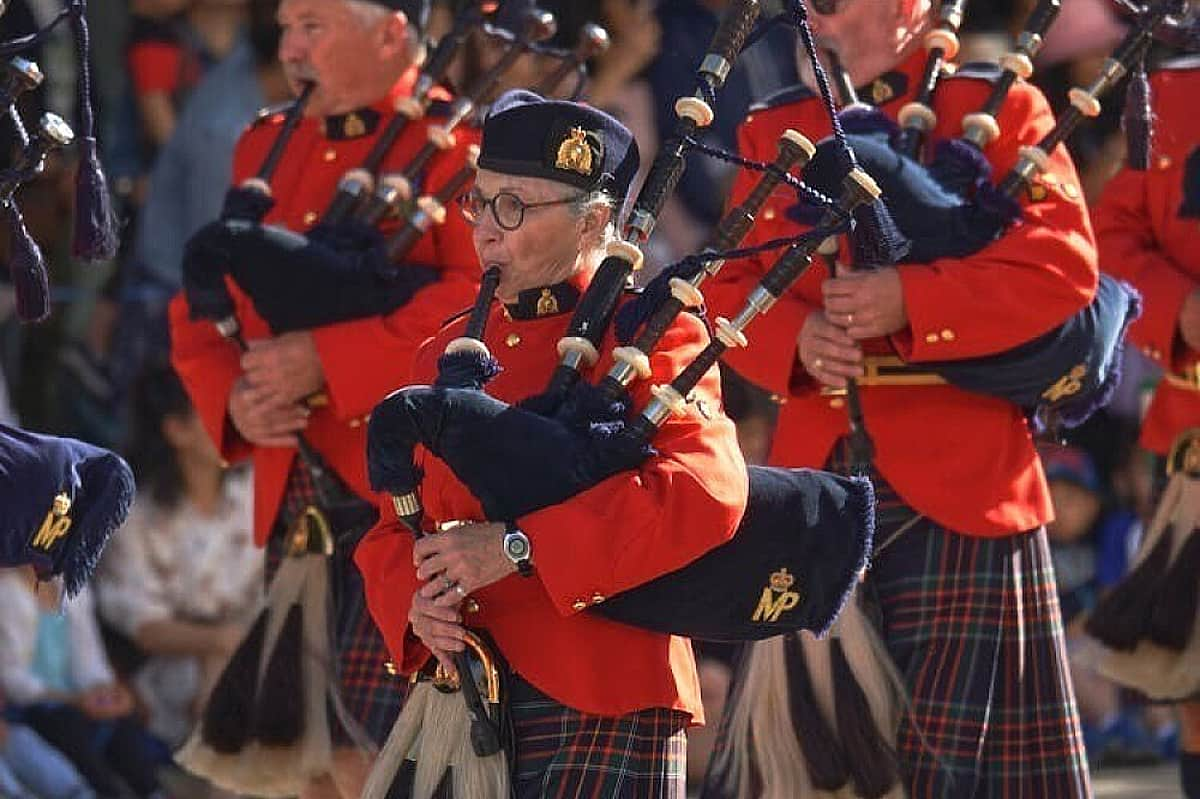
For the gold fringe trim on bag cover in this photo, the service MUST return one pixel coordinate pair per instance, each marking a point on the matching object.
(800, 711)
(433, 737)
(285, 740)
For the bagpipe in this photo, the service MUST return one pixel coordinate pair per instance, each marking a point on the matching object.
(816, 717)
(805, 533)
(951, 208)
(94, 237)
(266, 728)
(357, 271)
(62, 498)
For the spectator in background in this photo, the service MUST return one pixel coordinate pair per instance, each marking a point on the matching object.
(56, 675)
(1090, 547)
(188, 185)
(169, 52)
(183, 573)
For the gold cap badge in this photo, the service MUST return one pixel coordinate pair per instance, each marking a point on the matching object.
(574, 154)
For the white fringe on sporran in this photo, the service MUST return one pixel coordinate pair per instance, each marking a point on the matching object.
(433, 731)
(270, 771)
(761, 757)
(1158, 672)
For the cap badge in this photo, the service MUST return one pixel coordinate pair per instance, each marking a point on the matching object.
(574, 154)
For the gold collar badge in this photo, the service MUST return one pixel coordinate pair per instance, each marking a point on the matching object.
(354, 126)
(55, 525)
(881, 91)
(574, 154)
(547, 304)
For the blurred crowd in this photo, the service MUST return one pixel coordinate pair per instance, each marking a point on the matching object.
(117, 681)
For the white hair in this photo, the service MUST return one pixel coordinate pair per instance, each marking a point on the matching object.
(599, 198)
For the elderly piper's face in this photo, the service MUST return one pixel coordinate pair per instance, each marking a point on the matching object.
(547, 245)
(352, 50)
(870, 36)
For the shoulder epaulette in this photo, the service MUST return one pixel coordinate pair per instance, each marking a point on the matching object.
(266, 114)
(788, 94)
(1183, 62)
(980, 70)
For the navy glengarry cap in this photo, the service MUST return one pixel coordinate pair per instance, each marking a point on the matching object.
(60, 500)
(417, 11)
(571, 143)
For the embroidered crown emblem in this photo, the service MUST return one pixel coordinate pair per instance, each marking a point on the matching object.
(781, 581)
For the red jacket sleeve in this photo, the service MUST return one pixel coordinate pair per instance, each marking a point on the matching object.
(208, 365)
(771, 358)
(1129, 249)
(360, 359)
(1030, 280)
(636, 526)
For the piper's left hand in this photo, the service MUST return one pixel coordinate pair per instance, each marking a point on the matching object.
(286, 366)
(461, 560)
(866, 303)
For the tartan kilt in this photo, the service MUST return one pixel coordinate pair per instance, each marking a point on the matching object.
(369, 692)
(563, 753)
(974, 627)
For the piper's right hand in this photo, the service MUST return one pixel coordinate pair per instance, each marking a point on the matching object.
(827, 352)
(439, 628)
(263, 420)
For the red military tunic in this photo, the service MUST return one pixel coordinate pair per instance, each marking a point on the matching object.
(363, 359)
(965, 460)
(1143, 240)
(623, 532)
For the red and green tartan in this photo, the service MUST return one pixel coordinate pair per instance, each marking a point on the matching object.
(974, 626)
(370, 695)
(562, 753)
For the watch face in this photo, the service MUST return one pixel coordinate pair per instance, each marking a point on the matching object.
(517, 546)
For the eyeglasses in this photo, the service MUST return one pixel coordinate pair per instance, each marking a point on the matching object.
(508, 210)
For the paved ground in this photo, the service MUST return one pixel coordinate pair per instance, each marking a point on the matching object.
(1160, 782)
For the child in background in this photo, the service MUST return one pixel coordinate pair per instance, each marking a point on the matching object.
(183, 572)
(57, 677)
(1090, 548)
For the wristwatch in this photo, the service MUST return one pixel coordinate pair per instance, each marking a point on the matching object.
(518, 549)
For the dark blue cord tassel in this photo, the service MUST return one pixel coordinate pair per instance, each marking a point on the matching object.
(28, 270)
(95, 236)
(876, 238)
(1138, 119)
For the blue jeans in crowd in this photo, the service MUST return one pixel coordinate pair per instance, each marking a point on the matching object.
(30, 767)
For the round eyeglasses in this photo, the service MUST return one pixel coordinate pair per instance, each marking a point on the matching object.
(508, 210)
